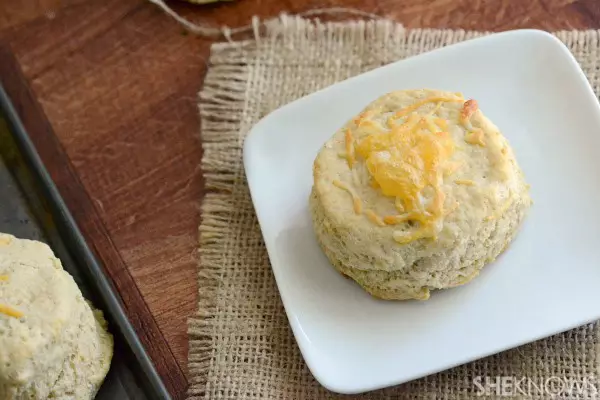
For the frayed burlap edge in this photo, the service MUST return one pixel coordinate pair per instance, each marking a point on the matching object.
(221, 104)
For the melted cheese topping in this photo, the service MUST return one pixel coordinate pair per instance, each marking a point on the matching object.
(408, 162)
(9, 311)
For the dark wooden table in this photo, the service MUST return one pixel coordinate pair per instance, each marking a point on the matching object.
(107, 89)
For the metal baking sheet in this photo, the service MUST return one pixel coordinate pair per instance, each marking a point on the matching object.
(31, 208)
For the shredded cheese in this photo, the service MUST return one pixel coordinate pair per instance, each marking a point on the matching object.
(3, 278)
(503, 151)
(5, 240)
(9, 311)
(468, 109)
(475, 137)
(441, 122)
(350, 148)
(413, 107)
(362, 118)
(433, 128)
(435, 109)
(398, 204)
(406, 161)
(341, 185)
(407, 237)
(437, 203)
(376, 219)
(398, 219)
(356, 203)
(368, 125)
(465, 182)
(409, 124)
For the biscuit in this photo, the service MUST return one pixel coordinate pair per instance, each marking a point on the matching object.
(52, 343)
(418, 192)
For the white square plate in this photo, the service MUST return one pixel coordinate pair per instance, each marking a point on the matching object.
(530, 85)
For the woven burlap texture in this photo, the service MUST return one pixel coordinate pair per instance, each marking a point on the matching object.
(241, 346)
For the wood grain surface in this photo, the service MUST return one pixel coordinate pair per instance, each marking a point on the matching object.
(115, 120)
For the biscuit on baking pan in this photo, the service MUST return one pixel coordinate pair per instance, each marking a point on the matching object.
(52, 343)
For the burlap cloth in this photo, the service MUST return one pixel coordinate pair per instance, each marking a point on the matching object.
(241, 346)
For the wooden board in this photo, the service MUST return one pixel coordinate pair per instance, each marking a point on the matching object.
(107, 89)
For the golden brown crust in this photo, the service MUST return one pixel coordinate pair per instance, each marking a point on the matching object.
(468, 109)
